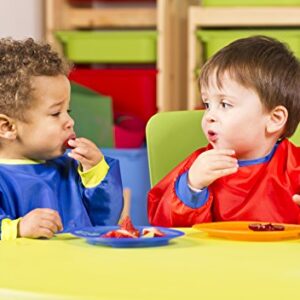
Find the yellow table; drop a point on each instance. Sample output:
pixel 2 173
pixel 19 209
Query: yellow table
pixel 194 266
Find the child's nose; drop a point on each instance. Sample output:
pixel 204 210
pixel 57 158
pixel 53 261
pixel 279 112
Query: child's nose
pixel 70 122
pixel 210 116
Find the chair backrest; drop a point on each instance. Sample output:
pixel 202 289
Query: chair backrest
pixel 171 137
pixel 296 136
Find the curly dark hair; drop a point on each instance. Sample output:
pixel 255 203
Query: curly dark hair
pixel 19 62
pixel 265 65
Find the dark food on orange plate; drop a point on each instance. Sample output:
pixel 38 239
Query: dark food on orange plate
pixel 127 230
pixel 265 227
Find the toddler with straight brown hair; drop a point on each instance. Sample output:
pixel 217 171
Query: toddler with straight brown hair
pixel 249 171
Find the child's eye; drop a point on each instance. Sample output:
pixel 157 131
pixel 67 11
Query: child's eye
pixel 225 105
pixel 56 114
pixel 206 105
pixel 69 111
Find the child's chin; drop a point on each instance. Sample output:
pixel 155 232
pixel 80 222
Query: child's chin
pixel 215 146
pixel 57 154
pixel 218 145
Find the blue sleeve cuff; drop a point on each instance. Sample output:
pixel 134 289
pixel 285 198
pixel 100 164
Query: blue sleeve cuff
pixel 188 197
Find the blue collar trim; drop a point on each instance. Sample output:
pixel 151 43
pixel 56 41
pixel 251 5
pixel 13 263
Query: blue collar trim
pixel 249 162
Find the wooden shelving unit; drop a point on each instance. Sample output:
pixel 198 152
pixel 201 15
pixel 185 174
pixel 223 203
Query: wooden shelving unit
pixel 60 15
pixel 200 17
pixel 168 17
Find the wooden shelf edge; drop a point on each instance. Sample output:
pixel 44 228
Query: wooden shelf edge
pixel 245 16
pixel 112 17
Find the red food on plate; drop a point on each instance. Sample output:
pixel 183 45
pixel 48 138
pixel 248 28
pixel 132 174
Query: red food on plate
pixel 127 230
pixel 119 233
pixel 265 227
pixel 126 224
pixel 152 232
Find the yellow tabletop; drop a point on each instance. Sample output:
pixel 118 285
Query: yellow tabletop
pixel 194 266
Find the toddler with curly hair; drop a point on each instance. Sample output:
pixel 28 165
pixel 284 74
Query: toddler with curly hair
pixel 43 190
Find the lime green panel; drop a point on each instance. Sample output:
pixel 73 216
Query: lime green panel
pixel 171 137
pixel 109 46
pixel 240 3
pixel 214 40
pixel 93 116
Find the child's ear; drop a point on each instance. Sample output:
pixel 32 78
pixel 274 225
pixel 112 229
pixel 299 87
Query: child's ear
pixel 8 128
pixel 277 120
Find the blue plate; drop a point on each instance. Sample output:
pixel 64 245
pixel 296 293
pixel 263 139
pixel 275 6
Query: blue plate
pixel 93 236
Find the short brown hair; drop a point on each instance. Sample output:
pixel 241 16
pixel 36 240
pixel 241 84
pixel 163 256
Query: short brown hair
pixel 19 62
pixel 265 65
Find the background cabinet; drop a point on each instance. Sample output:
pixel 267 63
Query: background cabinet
pixel 167 17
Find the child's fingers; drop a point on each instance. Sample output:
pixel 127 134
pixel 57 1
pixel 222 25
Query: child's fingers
pixel 85 163
pixel 227 171
pixel 53 217
pixel 221 157
pixel 83 142
pixel 44 210
pixel 217 155
pixel 78 143
pixel 40 222
pixel 223 164
pixel 76 156
pixel 83 160
pixel 50 224
pixel 58 223
pixel 83 151
pixel 44 232
pixel 85 156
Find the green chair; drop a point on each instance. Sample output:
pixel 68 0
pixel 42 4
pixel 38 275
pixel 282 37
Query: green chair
pixel 296 136
pixel 92 113
pixel 171 137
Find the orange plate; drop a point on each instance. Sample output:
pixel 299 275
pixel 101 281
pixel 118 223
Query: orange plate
pixel 239 231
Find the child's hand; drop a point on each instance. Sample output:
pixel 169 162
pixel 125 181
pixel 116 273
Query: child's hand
pixel 86 152
pixel 296 199
pixel 211 165
pixel 40 222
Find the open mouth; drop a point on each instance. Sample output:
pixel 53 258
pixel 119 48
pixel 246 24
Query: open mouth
pixel 212 136
pixel 66 142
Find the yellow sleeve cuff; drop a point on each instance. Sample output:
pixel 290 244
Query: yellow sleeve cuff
pixel 94 175
pixel 9 229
